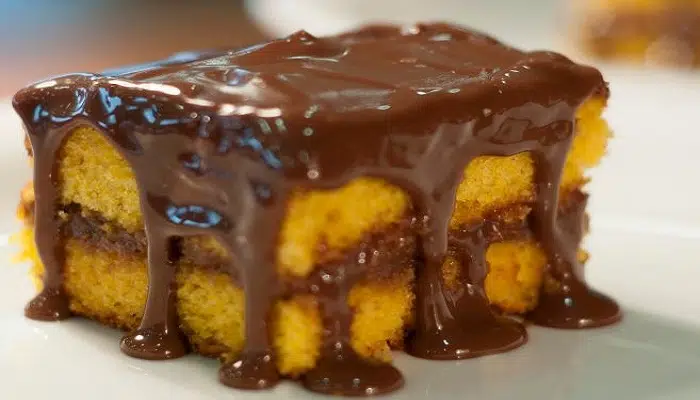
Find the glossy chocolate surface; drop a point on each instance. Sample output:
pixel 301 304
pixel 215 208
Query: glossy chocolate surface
pixel 217 144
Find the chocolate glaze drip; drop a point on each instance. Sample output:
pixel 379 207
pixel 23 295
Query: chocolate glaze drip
pixel 574 305
pixel 340 369
pixel 458 322
pixel 218 143
pixel 158 336
pixel 255 368
pixel 51 304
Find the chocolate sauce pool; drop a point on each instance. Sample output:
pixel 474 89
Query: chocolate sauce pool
pixel 218 142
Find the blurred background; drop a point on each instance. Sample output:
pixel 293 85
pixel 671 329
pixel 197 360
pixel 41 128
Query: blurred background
pixel 39 38
pixel 48 37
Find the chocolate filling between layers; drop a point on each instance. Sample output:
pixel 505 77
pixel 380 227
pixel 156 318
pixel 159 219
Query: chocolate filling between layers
pixel 395 244
pixel 218 144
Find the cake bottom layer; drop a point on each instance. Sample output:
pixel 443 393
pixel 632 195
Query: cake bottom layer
pixel 110 287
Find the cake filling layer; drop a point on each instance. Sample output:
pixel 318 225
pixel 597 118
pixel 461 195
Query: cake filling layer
pixel 395 244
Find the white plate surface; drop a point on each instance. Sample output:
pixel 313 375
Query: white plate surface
pixel 646 251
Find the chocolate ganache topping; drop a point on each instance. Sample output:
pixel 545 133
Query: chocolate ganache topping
pixel 218 141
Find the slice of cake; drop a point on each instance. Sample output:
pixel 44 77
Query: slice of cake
pixel 658 32
pixel 300 207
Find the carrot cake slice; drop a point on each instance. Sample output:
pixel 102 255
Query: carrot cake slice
pixel 301 207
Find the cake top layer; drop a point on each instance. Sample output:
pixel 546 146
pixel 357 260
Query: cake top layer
pixel 308 105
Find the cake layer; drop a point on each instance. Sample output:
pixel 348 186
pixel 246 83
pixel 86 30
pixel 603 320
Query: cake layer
pixel 106 280
pixel 111 288
pixel 93 174
pixel 517 294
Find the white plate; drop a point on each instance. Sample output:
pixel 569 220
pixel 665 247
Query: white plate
pixel 646 231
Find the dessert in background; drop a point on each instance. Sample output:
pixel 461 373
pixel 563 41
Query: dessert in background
pixel 655 32
pixel 390 187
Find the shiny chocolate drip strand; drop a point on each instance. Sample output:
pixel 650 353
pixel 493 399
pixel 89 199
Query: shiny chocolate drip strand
pixel 254 248
pixel 450 325
pixel 340 370
pixel 158 336
pixel 51 304
pixel 483 330
pixel 572 304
